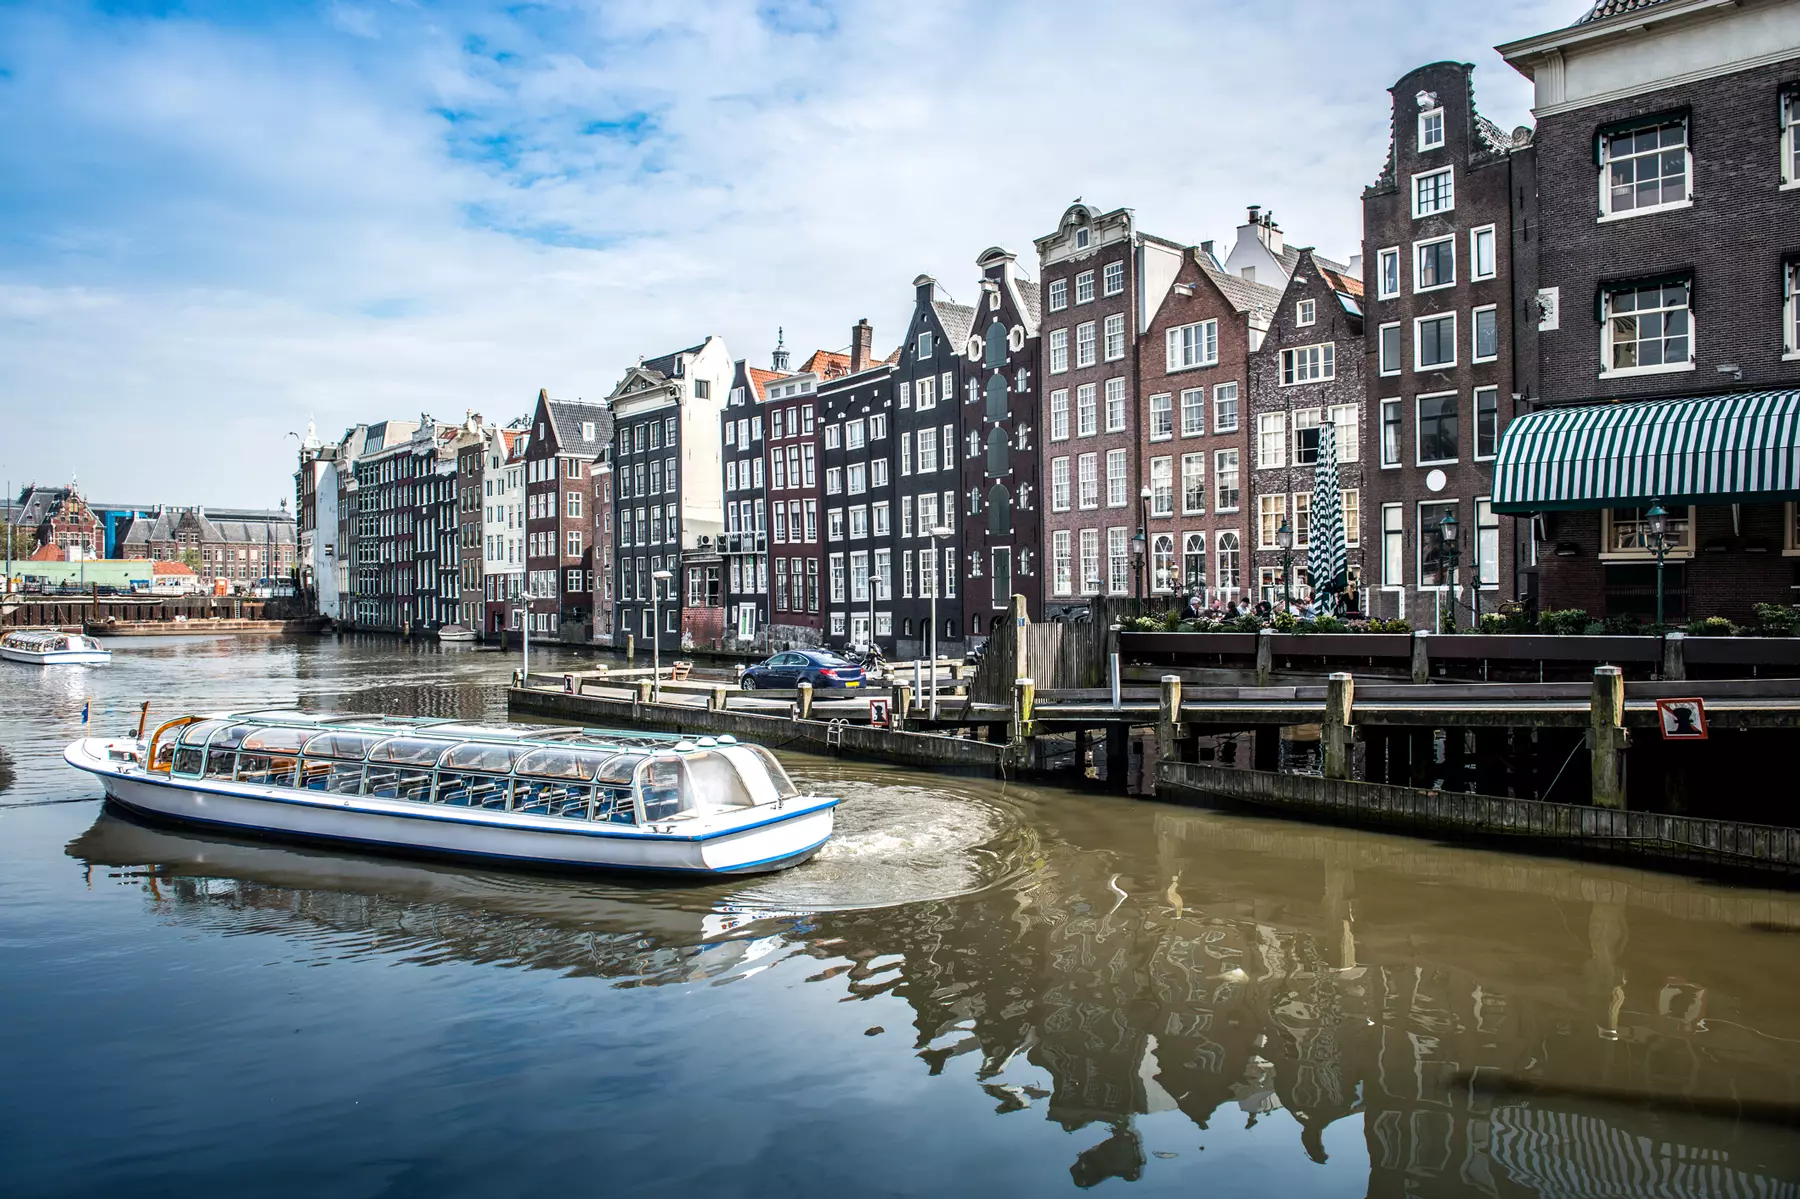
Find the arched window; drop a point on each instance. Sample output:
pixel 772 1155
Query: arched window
pixel 1193 564
pixel 950 628
pixel 996 397
pixel 1162 562
pixel 999 458
pixel 975 625
pixel 1226 570
pixel 996 349
pixel 906 627
pixel 999 510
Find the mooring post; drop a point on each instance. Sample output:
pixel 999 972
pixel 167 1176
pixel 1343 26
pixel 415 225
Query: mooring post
pixel 806 696
pixel 1607 736
pixel 1337 732
pixel 901 707
pixel 1113 669
pixel 717 703
pixel 1020 619
pixel 1168 720
pixel 1265 656
pixel 1674 663
pixel 1024 699
pixel 631 647
pixel 643 691
pixel 1421 658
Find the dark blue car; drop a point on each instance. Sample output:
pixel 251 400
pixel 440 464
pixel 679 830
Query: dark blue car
pixel 820 667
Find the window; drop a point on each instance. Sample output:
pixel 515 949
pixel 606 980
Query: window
pixel 1192 345
pixel 1193 561
pixel 1084 287
pixel 1644 167
pixel 1115 479
pixel 1433 192
pixel 837 578
pixel 1225 408
pixel 948 441
pixel 1648 328
pixel 1434 341
pixel 925 393
pixel 1228 574
pixel 1193 411
pixel 834 435
pixel 1115 337
pixel 924 345
pixel 1388 348
pixel 1627 532
pixel 1306 313
pixel 1487 421
pixel 1790 134
pixel 905 396
pixel 1162 486
pixel 1225 481
pixel 1115 405
pixel 1306 436
pixel 1351 500
pixel 1388 272
pixel 1481 253
pixel 1271 514
pixel 1393 545
pixel 1113 278
pixel 877 426
pixel 1487 543
pixel 1115 560
pixel 1162 417
pixel 834 524
pixel 1090 561
pixel 1302 527
pixel 1486 334
pixel 1059 353
pixel 856 480
pixel 834 480
pixel 1193 484
pixel 1437 428
pixel 1308 364
pixel 1061 569
pixel 853 435
pixel 1434 264
pixel 1390 432
pixel 1791 321
pixel 1084 344
pixel 1082 236
pixel 1434 560
pixel 574 505
pixel 1271 440
pixel 1059 484
pixel 1162 563
pixel 1087 410
pixel 1431 129
pixel 1059 294
pixel 927 450
pixel 878 471
pixel 1059 415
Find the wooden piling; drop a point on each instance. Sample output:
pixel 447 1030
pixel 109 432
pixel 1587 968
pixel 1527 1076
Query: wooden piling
pixel 806 701
pixel 643 691
pixel 718 699
pixel 1335 737
pixel 1168 721
pixel 1024 699
pixel 1421 658
pixel 1265 656
pixel 1606 732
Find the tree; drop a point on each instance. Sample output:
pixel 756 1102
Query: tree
pixel 190 558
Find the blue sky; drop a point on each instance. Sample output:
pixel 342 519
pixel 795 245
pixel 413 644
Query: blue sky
pixel 221 219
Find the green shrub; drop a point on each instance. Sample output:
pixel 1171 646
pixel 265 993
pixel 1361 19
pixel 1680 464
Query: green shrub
pixel 1493 622
pixel 1627 626
pixel 1388 626
pixel 1141 624
pixel 1712 626
pixel 1241 624
pixel 1324 624
pixel 1285 622
pixel 1777 620
pixel 1565 622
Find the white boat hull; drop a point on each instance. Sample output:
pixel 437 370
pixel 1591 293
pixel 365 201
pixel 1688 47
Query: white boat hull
pixel 774 841
pixel 56 657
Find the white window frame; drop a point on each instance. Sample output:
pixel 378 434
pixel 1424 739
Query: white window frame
pixel 1118 481
pixel 1387 267
pixel 1393 536
pixel 1419 247
pixel 1487 529
pixel 1271 440
pixel 1114 400
pixel 1475 428
pixel 1237 472
pixel 1493 239
pixel 1424 142
pixel 1090 540
pixel 1608 371
pixel 1475 354
pixel 1059 414
pixel 1605 177
pixel 1418 458
pixel 1790 322
pixel 1197 427
pixel 1291 359
pixel 1382 364
pixel 1087 347
pixel 1059 353
pixel 1084 283
pixel 1790 141
pixel 1187 347
pixel 1220 425
pixel 1163 403
pixel 1383 407
pixel 1197 459
pixel 1061 485
pixel 1306 313
pixel 1087 410
pixel 1419 342
pixel 1450 206
pixel 1112 278
pixel 1059 294
pixel 1113 338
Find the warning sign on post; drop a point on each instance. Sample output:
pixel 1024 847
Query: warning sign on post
pixel 1682 719
pixel 878 713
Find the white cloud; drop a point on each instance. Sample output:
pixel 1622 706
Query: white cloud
pixel 218 229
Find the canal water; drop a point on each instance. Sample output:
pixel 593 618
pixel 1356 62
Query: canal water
pixel 978 988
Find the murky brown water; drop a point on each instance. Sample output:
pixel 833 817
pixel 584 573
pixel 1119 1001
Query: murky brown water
pixel 979 988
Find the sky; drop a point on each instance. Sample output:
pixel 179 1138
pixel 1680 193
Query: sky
pixel 222 220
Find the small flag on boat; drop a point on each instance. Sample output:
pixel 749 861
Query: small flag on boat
pixel 85 704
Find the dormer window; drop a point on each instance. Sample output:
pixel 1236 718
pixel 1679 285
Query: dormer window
pixel 924 345
pixel 1306 312
pixel 1081 238
pixel 1431 129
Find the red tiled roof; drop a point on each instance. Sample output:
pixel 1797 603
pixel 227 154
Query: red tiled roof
pixel 49 553
pixel 760 380
pixel 828 364
pixel 171 568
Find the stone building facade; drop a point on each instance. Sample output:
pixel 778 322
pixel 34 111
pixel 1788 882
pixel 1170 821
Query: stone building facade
pixel 565 440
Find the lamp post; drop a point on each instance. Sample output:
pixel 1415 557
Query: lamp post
pixel 1284 537
pixel 1658 517
pixel 657 579
pixel 1449 527
pixel 934 534
pixel 1140 545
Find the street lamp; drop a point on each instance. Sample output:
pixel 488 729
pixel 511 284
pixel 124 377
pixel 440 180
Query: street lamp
pixel 936 566
pixel 1284 537
pixel 1449 527
pixel 657 579
pixel 1140 545
pixel 1658 518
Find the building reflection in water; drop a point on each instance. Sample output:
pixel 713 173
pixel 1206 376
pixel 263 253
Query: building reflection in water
pixel 1488 1038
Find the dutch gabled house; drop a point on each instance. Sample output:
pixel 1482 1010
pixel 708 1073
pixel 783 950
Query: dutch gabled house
pixel 1194 371
pixel 745 543
pixel 927 428
pixel 1308 370
pixel 564 440
pixel 858 444
pixel 788 410
pixel 1002 528
pixel 1101 278
pixel 669 497
pixel 1658 293
pixel 503 528
pixel 1438 292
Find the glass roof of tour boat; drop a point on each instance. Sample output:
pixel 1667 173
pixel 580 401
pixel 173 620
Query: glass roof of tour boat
pixel 439 728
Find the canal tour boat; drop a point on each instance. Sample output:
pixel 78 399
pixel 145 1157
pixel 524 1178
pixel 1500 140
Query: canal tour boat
pixel 52 648
pixel 532 794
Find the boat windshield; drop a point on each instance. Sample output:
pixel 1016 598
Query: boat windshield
pixel 413 751
pixel 276 740
pixel 339 745
pixel 199 731
pixel 475 755
pixel 561 763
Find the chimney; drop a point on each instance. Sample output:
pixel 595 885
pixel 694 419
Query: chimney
pixel 1270 233
pixel 1255 214
pixel 862 345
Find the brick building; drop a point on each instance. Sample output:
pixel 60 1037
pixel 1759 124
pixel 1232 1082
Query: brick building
pixel 566 437
pixel 1663 277
pixel 235 545
pixel 471 447
pixel 1002 488
pixel 1194 371
pixel 859 456
pixel 1307 371
pixel 1101 279
pixel 60 517
pixel 1439 291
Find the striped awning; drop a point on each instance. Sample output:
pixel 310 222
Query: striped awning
pixel 1711 449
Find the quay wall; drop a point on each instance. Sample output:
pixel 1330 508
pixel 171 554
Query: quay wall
pixel 824 737
pixel 1645 834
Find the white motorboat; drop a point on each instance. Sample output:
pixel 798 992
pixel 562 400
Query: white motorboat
pixel 455 632
pixel 52 648
pixel 536 795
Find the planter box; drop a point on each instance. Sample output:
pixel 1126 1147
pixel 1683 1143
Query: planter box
pixel 1343 645
pixel 1741 651
pixel 1533 647
pixel 1241 644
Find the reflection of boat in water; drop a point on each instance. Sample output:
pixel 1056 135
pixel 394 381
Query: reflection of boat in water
pixel 53 649
pixel 427 909
pixel 526 794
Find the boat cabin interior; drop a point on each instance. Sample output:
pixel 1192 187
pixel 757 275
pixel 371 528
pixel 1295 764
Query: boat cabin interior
pixel 572 774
